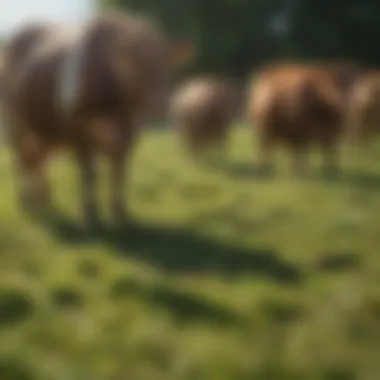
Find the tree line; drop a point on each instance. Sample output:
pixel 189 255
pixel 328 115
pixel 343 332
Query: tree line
pixel 235 36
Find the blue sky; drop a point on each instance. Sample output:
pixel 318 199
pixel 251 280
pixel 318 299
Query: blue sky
pixel 15 12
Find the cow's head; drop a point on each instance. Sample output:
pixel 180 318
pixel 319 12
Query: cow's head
pixel 145 57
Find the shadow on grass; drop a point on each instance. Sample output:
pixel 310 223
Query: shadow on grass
pixel 333 262
pixel 179 250
pixel 353 178
pixel 282 313
pixel 183 306
pixel 15 369
pixel 15 306
pixel 359 179
pixel 246 170
pixel 67 298
pixel 243 170
pixel 370 181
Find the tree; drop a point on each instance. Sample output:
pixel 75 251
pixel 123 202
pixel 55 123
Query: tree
pixel 234 36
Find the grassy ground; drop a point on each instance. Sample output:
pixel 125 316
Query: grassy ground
pixel 226 275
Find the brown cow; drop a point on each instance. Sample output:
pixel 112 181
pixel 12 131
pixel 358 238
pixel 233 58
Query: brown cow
pixel 85 89
pixel 204 108
pixel 299 105
pixel 364 112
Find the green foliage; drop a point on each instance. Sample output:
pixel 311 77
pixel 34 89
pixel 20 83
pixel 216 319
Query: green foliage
pixel 235 36
pixel 225 276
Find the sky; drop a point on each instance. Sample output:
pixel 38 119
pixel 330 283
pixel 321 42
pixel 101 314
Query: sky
pixel 14 12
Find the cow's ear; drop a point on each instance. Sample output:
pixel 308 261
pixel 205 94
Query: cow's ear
pixel 182 53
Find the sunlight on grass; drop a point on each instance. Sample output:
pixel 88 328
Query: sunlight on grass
pixel 225 275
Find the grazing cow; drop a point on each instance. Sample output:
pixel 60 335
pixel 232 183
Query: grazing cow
pixel 204 108
pixel 364 110
pixel 85 89
pixel 299 105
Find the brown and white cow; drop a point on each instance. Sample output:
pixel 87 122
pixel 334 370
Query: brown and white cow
pixel 204 108
pixel 85 89
pixel 300 105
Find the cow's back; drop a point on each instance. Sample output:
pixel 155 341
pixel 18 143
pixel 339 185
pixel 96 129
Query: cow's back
pixel 295 102
pixel 21 46
pixel 206 98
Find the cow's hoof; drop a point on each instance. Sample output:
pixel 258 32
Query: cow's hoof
pixel 35 206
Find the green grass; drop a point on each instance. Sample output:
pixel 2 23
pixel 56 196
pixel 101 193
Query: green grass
pixel 225 276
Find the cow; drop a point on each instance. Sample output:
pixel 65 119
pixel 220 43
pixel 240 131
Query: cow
pixel 299 105
pixel 204 107
pixel 86 89
pixel 363 117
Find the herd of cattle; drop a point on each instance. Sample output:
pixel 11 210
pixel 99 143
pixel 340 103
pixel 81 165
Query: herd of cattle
pixel 90 88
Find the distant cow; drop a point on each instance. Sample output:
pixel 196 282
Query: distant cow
pixel 204 108
pixel 299 105
pixel 364 112
pixel 86 89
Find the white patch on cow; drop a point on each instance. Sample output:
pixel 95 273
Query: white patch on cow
pixel 68 88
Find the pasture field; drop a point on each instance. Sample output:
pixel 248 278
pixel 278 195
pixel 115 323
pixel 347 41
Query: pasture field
pixel 225 275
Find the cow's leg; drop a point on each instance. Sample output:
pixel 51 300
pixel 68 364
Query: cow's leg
pixel 88 173
pixel 119 155
pixel 196 145
pixel 300 160
pixel 192 147
pixel 223 145
pixel 118 182
pixel 197 149
pixel 266 148
pixel 330 158
pixel 31 158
